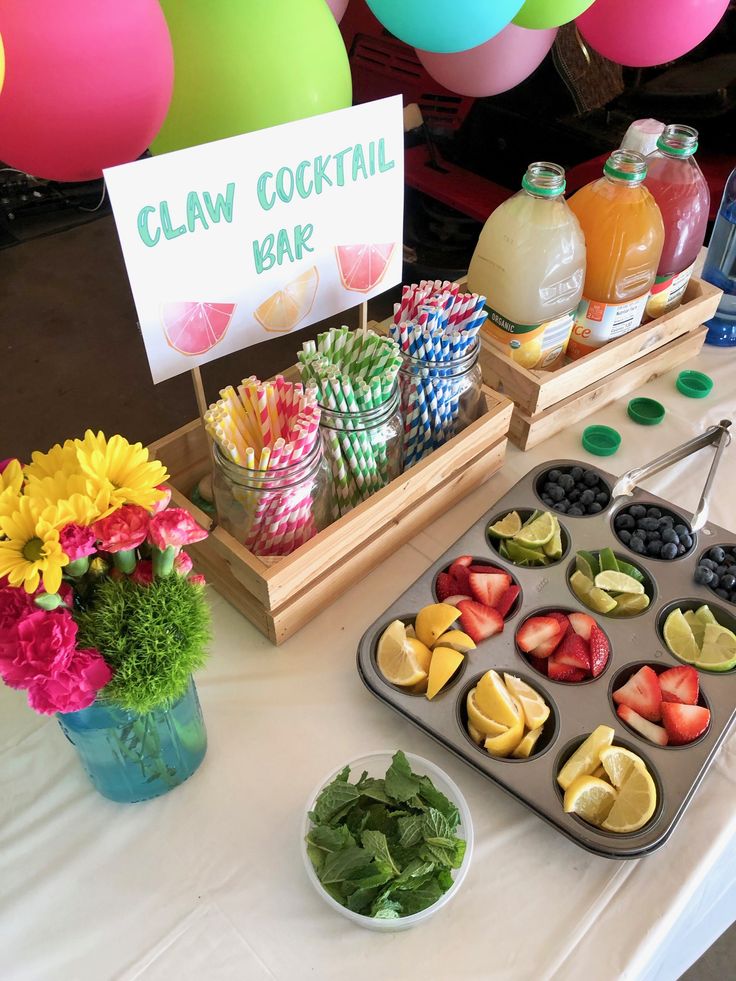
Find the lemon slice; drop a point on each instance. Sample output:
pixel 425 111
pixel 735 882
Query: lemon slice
pixel 422 654
pixel 679 637
pixel 586 757
pixel 534 707
pixel 395 659
pixel 480 721
pixel 493 699
pixel 527 744
pixel 634 806
pixel 696 625
pixel 410 632
pixel 505 744
pixel 445 662
pixel 703 613
pixel 458 640
pixel 719 649
pixel 433 620
pixel 581 584
pixel 599 601
pixel 475 734
pixel 628 604
pixel 537 532
pixel 507 527
pixel 590 798
pixel 619 763
pixel 618 582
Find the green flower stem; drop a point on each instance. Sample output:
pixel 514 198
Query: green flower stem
pixel 125 560
pixel 163 561
pixel 77 568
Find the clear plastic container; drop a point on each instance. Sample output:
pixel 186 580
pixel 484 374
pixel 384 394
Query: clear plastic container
pixel 530 264
pixel 720 269
pixel 376 764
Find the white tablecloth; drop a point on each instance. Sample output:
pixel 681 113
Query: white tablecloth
pixel 208 883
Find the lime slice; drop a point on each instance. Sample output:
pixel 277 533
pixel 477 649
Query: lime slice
pixel 581 585
pixel 537 532
pixel 592 563
pixel 679 637
pixel 630 570
pixel 507 527
pixel 607 560
pixel 533 517
pixel 719 649
pixel 584 568
pixel 703 613
pixel 618 582
pixel 627 604
pixel 599 601
pixel 696 625
pixel 553 548
pixel 524 556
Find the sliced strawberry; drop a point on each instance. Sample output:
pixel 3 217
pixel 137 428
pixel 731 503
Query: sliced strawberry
pixel 507 600
pixel 582 624
pixel 466 560
pixel 642 694
pixel 536 631
pixel 645 728
pixel 488 588
pixel 456 598
pixel 573 651
pixel 597 648
pixel 684 722
pixel 680 684
pixel 561 618
pixel 564 672
pixel 461 575
pixel 485 568
pixel 540 663
pixel 446 586
pixel 550 646
pixel 479 621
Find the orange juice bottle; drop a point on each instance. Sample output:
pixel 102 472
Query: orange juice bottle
pixel 624 236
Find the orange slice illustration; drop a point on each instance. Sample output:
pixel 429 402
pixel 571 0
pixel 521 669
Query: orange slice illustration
pixel 285 308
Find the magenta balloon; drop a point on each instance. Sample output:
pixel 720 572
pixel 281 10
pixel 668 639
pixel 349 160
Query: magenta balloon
pixel 88 84
pixel 493 67
pixel 338 8
pixel 641 33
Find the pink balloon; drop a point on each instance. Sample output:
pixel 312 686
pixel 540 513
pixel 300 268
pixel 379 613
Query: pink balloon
pixel 640 34
pixel 493 67
pixel 88 84
pixel 338 8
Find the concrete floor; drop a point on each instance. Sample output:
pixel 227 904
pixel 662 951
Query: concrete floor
pixel 72 358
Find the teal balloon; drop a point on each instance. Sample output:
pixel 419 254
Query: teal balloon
pixel 243 65
pixel 539 14
pixel 445 26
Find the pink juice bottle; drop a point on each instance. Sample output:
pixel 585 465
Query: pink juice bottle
pixel 679 188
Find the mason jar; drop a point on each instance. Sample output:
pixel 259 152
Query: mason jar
pixel 364 449
pixel 272 512
pixel 438 400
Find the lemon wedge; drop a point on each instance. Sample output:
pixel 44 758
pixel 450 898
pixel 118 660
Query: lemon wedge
pixel 586 757
pixel 493 699
pixel 590 798
pixel 433 620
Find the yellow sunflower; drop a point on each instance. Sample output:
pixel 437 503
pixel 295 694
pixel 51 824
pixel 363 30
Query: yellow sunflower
pixel 11 481
pixel 59 459
pixel 32 550
pixel 119 472
pixel 68 494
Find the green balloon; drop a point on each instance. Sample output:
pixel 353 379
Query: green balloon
pixel 540 14
pixel 243 65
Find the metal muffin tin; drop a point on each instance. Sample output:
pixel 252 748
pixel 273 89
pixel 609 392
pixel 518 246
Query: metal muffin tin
pixel 576 708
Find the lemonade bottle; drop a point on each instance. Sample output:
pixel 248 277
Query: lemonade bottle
pixel 681 192
pixel 624 235
pixel 530 264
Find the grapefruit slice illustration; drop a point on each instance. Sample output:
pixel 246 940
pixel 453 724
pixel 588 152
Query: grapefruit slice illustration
pixel 195 328
pixel 283 310
pixel 363 266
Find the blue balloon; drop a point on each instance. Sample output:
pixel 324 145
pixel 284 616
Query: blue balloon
pixel 445 26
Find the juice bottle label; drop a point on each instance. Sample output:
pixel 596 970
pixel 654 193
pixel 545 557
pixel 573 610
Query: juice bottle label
pixel 667 292
pixel 598 323
pixel 530 345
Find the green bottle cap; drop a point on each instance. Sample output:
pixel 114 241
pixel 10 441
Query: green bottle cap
pixel 647 412
pixel 601 440
pixel 694 384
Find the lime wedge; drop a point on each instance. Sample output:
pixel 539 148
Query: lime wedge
pixel 581 585
pixel 533 517
pixel 618 582
pixel 507 527
pixel 719 649
pixel 537 532
pixel 607 560
pixel 524 556
pixel 630 570
pixel 703 613
pixel 583 567
pixel 553 548
pixel 599 601
pixel 679 637
pixel 503 551
pixel 696 625
pixel 627 604
pixel 592 563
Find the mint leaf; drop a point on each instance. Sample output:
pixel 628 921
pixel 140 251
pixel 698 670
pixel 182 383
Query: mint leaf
pixel 343 865
pixel 375 789
pixel 386 909
pixel 411 830
pixel 400 783
pixel 330 839
pixel 335 800
pixel 426 895
pixel 435 798
pixel 449 855
pixel 375 843
pixel 379 818
pixel 416 870
pixel 436 828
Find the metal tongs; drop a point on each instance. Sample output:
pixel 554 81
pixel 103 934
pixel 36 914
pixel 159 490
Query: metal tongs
pixel 714 435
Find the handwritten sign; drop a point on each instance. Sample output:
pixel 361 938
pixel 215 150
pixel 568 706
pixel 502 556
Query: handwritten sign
pixel 231 243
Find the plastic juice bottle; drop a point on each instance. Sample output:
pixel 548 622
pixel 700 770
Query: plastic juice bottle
pixel 530 264
pixel 624 235
pixel 720 268
pixel 681 192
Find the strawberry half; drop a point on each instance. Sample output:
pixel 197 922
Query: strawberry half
pixel 643 726
pixel 642 694
pixel 564 672
pixel 598 649
pixel 582 624
pixel 479 621
pixel 573 651
pixel 536 631
pixel 507 600
pixel 680 684
pixel 684 722
pixel 561 618
pixel 461 575
pixel 445 586
pixel 466 560
pixel 488 588
pixel 550 646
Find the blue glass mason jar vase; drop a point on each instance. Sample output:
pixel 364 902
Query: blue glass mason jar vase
pixel 131 757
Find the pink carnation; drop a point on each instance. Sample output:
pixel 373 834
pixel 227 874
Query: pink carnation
pixel 122 530
pixel 175 528
pixel 77 542
pixel 15 604
pixel 41 645
pixel 183 564
pixel 143 573
pixel 198 580
pixel 73 688
pixel 67 594
pixel 163 503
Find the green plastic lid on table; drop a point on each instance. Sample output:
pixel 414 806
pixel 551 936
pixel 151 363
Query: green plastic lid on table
pixel 601 440
pixel 647 412
pixel 694 384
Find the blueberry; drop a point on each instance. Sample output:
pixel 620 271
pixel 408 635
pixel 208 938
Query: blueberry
pixel 547 500
pixel 709 564
pixel 722 593
pixel 654 513
pixel 594 508
pixel 669 550
pixel 721 570
pixel 728 582
pixel 682 530
pixel 637 511
pixel 717 554
pixel 602 498
pixel 573 495
pixel 637 545
pixel 548 487
pixel 669 535
pixel 687 541
pixel 654 549
pixel 575 510
pixel 566 482
pixel 715 581
pixel 666 521
pixel 625 536
pixel 624 521
pixel 590 479
pixel 587 497
pixel 561 506
pixel 648 524
pixel 703 575
pixel 553 476
pixel 556 492
pixel 576 473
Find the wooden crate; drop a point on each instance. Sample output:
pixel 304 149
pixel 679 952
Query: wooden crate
pixel 546 402
pixel 281 595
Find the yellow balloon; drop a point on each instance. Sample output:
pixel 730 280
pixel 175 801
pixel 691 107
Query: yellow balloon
pixel 2 63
